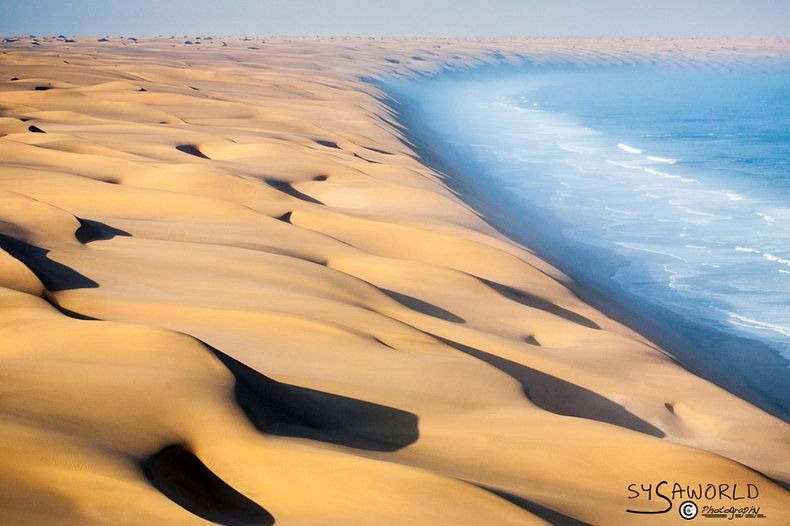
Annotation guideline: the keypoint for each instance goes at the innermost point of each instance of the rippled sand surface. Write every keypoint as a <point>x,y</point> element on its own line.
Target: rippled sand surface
<point>231,292</point>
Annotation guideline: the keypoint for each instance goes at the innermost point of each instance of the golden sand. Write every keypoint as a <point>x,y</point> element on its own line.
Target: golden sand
<point>230,291</point>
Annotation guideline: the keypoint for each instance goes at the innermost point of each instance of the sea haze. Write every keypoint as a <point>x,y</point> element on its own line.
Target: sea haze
<point>670,184</point>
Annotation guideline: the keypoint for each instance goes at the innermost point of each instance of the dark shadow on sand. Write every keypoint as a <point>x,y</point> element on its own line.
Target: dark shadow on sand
<point>328,144</point>
<point>191,149</point>
<point>560,397</point>
<point>70,313</point>
<point>91,230</point>
<point>285,218</point>
<point>547,514</point>
<point>422,306</point>
<point>184,479</point>
<point>532,341</point>
<point>287,188</point>
<point>55,276</point>
<point>289,410</point>
<point>365,159</point>
<point>383,152</point>
<point>535,302</point>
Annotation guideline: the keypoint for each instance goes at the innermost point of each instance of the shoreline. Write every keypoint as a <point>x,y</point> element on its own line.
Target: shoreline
<point>715,354</point>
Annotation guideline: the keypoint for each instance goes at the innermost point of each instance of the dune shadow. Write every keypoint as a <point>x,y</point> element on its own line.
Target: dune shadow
<point>366,159</point>
<point>91,230</point>
<point>285,218</point>
<point>184,479</point>
<point>377,150</point>
<point>70,313</point>
<point>191,149</point>
<point>289,410</point>
<point>55,276</point>
<point>532,340</point>
<point>535,302</point>
<point>287,188</point>
<point>559,396</point>
<point>422,306</point>
<point>328,144</point>
<point>549,515</point>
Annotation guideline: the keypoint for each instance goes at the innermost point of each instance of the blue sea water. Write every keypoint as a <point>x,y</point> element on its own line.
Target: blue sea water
<point>683,174</point>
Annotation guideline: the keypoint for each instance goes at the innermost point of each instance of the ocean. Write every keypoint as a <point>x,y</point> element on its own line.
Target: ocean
<point>667,186</point>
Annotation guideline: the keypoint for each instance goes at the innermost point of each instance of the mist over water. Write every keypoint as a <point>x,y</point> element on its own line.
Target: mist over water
<point>684,175</point>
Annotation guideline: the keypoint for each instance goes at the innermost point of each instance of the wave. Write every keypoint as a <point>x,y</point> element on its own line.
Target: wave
<point>653,171</point>
<point>691,210</point>
<point>663,160</point>
<point>628,149</point>
<point>570,149</point>
<point>765,217</point>
<point>642,248</point>
<point>623,165</point>
<point>743,321</point>
<point>777,259</point>
<point>767,255</point>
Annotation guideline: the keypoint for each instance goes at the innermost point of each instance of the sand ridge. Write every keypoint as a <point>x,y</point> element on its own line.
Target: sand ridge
<point>231,292</point>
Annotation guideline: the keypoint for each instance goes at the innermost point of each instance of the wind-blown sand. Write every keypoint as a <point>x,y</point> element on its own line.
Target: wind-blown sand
<point>231,292</point>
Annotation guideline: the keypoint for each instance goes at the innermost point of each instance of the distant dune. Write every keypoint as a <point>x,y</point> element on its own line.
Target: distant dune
<point>231,292</point>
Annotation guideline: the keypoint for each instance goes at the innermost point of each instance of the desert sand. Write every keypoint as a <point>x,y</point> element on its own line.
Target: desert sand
<point>231,292</point>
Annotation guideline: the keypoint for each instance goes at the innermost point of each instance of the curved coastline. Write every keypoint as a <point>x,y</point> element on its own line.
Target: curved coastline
<point>750,368</point>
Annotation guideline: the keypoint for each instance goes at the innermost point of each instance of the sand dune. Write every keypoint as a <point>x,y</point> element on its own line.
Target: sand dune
<point>232,293</point>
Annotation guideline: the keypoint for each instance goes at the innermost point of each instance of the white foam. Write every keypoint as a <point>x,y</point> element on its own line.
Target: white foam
<point>653,171</point>
<point>673,278</point>
<point>690,210</point>
<point>777,259</point>
<point>570,149</point>
<point>663,160</point>
<point>623,165</point>
<point>743,321</point>
<point>642,248</point>
<point>732,196</point>
<point>765,217</point>
<point>628,149</point>
<point>766,255</point>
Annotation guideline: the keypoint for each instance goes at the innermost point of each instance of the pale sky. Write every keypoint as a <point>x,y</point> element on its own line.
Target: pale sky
<point>397,18</point>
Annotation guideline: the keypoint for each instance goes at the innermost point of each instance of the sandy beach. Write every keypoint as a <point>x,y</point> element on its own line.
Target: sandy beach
<point>232,292</point>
